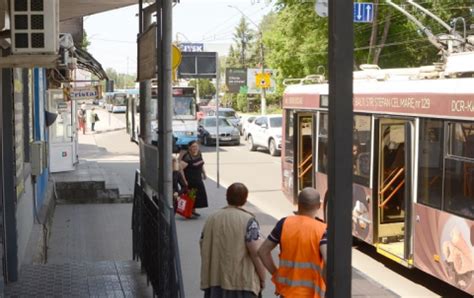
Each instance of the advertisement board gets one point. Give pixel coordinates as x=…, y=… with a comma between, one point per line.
x=253, y=74
x=235, y=79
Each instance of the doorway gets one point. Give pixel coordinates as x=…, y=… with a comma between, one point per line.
x=305, y=162
x=62, y=133
x=393, y=187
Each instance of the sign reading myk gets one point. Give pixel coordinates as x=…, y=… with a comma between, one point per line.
x=191, y=47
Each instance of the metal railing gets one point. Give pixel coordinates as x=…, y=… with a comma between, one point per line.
x=155, y=242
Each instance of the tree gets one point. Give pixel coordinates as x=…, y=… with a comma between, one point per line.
x=85, y=43
x=233, y=59
x=296, y=42
x=243, y=38
x=121, y=80
x=206, y=87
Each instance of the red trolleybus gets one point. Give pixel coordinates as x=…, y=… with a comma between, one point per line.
x=413, y=164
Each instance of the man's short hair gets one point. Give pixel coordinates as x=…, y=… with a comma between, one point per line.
x=309, y=199
x=237, y=194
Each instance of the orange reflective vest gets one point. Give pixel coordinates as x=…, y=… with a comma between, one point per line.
x=300, y=271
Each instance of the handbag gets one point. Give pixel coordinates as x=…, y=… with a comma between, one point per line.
x=96, y=117
x=185, y=205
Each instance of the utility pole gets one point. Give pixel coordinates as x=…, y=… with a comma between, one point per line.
x=262, y=57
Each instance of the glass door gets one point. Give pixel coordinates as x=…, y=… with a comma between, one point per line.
x=393, y=186
x=305, y=162
x=62, y=137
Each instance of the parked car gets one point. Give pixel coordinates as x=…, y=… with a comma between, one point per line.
x=207, y=131
x=265, y=132
x=229, y=114
x=245, y=122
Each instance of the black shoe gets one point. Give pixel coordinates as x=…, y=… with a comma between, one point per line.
x=196, y=214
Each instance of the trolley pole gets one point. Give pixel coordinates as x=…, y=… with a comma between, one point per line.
x=339, y=269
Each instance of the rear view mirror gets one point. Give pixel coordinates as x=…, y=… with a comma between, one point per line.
x=264, y=125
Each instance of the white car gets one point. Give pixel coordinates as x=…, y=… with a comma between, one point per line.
x=265, y=132
x=245, y=124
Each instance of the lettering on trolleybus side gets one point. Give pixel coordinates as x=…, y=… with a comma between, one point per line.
x=393, y=102
x=462, y=105
x=445, y=105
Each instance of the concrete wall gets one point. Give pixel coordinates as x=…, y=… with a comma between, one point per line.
x=24, y=217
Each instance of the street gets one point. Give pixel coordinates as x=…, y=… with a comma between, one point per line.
x=261, y=173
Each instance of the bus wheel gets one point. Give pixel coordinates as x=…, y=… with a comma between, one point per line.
x=252, y=146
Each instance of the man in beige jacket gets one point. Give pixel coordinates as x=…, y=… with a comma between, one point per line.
x=229, y=243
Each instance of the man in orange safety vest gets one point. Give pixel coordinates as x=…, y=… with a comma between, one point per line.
x=303, y=249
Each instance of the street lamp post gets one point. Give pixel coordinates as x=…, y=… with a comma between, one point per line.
x=263, y=101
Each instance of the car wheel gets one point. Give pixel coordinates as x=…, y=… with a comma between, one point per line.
x=205, y=141
x=252, y=146
x=272, y=148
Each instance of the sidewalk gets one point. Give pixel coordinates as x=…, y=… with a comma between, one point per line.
x=90, y=246
x=189, y=232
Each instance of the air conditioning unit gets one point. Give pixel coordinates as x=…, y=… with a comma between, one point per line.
x=34, y=26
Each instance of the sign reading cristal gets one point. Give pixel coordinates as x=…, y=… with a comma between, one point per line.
x=83, y=93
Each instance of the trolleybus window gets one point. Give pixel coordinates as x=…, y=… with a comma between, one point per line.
x=361, y=149
x=323, y=143
x=183, y=106
x=430, y=167
x=459, y=169
x=289, y=133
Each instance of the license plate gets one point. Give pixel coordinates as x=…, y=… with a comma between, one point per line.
x=226, y=138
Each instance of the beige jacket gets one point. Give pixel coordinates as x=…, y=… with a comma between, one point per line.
x=225, y=260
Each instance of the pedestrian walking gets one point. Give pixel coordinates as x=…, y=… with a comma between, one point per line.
x=192, y=164
x=94, y=119
x=229, y=243
x=303, y=246
x=81, y=117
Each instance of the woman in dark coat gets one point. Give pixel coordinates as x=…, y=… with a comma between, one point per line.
x=193, y=168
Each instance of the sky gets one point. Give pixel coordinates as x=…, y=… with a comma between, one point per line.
x=212, y=22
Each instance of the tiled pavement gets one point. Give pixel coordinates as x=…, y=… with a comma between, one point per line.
x=93, y=279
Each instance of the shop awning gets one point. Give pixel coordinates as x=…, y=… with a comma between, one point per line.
x=70, y=9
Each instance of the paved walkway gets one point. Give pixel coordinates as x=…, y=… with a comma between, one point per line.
x=90, y=247
x=189, y=231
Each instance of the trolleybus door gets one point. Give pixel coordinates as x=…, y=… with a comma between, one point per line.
x=305, y=163
x=393, y=189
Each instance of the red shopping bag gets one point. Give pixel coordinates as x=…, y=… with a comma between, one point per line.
x=185, y=205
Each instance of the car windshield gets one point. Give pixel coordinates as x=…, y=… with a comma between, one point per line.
x=250, y=119
x=227, y=114
x=211, y=122
x=275, y=122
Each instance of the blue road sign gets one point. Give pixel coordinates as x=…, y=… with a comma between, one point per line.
x=363, y=12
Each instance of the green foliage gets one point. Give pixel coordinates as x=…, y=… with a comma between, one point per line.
x=122, y=80
x=296, y=39
x=85, y=41
x=206, y=87
x=242, y=103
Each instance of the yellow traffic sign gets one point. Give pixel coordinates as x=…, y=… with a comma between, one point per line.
x=262, y=80
x=176, y=61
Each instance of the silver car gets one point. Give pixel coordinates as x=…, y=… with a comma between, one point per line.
x=207, y=131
